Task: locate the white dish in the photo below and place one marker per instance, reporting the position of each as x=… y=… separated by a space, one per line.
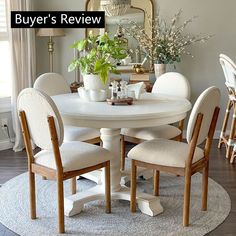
x=92 y=95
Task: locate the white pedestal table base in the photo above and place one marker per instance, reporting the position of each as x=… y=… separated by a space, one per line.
x=147 y=203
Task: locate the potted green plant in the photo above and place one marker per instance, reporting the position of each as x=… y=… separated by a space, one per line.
x=98 y=56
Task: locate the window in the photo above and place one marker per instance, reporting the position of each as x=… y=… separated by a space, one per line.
x=5 y=68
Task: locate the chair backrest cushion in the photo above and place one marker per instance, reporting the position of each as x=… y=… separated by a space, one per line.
x=229 y=69
x=205 y=104
x=173 y=84
x=52 y=84
x=37 y=107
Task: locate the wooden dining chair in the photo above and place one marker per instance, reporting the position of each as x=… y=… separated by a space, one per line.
x=42 y=123
x=184 y=159
x=170 y=84
x=54 y=84
x=229 y=69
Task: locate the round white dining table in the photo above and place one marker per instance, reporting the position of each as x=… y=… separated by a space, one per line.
x=150 y=110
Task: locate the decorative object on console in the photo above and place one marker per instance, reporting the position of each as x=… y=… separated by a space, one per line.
x=100 y=56
x=138 y=68
x=168 y=42
x=145 y=78
x=50 y=32
x=115 y=7
x=139 y=77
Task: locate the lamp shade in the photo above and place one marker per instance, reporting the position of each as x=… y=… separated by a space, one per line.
x=50 y=32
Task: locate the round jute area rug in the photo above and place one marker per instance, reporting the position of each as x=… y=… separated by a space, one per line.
x=14 y=210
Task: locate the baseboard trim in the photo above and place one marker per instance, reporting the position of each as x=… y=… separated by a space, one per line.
x=5 y=144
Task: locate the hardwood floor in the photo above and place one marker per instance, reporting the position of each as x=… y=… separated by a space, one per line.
x=13 y=164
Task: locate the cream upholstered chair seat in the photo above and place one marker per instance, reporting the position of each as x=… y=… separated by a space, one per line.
x=74 y=133
x=184 y=159
x=173 y=84
x=42 y=124
x=164 y=152
x=54 y=84
x=164 y=131
x=74 y=156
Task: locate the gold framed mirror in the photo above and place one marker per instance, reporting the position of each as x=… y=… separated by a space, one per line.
x=127 y=11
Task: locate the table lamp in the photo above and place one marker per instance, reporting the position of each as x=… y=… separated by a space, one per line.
x=50 y=32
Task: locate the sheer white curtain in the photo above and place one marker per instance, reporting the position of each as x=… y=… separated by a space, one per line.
x=22 y=44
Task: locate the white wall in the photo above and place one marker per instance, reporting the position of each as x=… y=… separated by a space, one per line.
x=215 y=17
x=63 y=53
x=202 y=71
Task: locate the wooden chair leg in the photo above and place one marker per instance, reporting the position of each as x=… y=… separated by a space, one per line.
x=108 y=188
x=205 y=187
x=32 y=195
x=133 y=187
x=225 y=122
x=233 y=155
x=187 y=189
x=232 y=134
x=60 y=199
x=73 y=185
x=156 y=183
x=122 y=146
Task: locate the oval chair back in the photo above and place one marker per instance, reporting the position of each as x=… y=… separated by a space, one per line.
x=205 y=104
x=52 y=84
x=173 y=84
x=38 y=107
x=229 y=69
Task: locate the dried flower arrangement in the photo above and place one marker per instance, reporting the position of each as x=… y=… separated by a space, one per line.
x=168 y=42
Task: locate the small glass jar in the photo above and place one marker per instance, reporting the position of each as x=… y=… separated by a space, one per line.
x=123 y=89
x=114 y=90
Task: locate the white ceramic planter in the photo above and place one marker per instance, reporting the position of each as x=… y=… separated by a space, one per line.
x=93 y=82
x=94 y=90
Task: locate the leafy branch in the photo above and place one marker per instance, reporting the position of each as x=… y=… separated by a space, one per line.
x=168 y=42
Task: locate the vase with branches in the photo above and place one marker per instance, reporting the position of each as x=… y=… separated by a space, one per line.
x=168 y=42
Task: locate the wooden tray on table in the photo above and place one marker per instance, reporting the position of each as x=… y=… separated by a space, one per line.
x=120 y=101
